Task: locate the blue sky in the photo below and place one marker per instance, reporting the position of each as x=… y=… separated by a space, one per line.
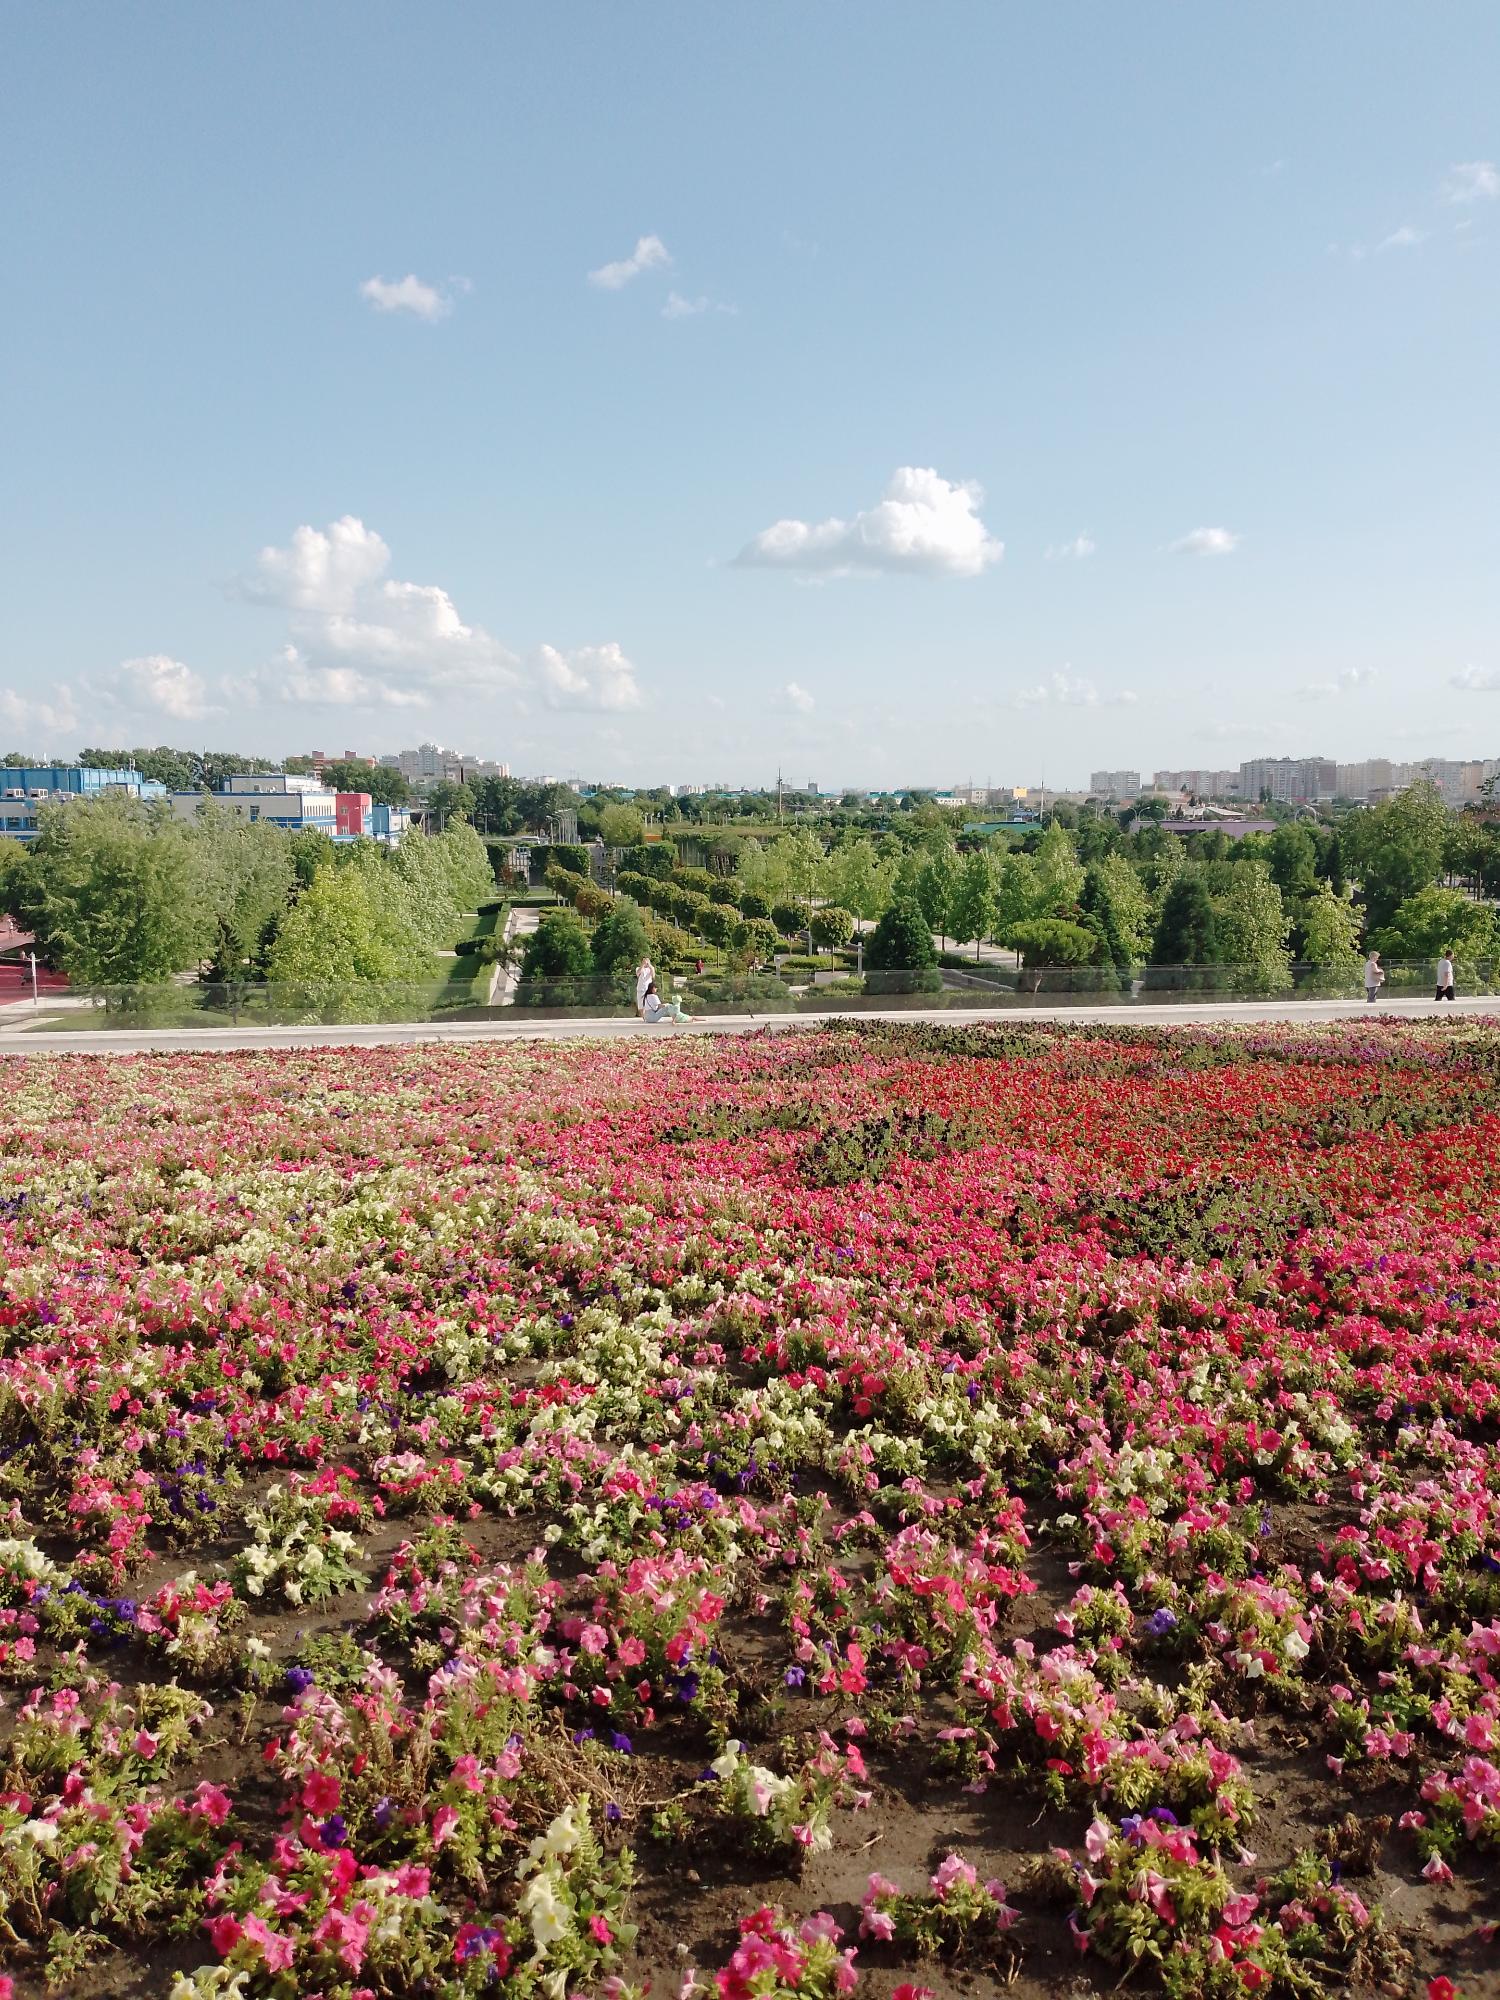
x=1204 y=302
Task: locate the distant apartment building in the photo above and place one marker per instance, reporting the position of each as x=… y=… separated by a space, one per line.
x=25 y=788
x=1115 y=784
x=1291 y=780
x=1200 y=784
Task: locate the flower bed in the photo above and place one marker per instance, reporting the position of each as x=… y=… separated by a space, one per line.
x=887 y=1511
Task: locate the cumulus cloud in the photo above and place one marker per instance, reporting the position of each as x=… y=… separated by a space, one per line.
x=1074 y=551
x=1206 y=542
x=1066 y=689
x=798 y=698
x=590 y=677
x=1346 y=682
x=649 y=254
x=409 y=295
x=300 y=682
x=924 y=526
x=59 y=712
x=1404 y=238
x=166 y=686
x=1476 y=680
x=383 y=640
x=1474 y=180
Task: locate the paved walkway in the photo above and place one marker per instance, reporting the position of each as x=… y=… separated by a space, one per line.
x=144 y=1041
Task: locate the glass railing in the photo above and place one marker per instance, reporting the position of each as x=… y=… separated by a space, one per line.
x=190 y=1005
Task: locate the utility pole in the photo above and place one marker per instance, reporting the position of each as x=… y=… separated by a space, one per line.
x=778 y=795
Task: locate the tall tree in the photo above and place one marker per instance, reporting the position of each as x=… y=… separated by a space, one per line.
x=974 y=909
x=1397 y=848
x=1186 y=932
x=1252 y=925
x=937 y=885
x=113 y=894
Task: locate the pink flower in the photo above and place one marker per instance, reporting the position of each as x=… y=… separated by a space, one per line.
x=277 y=1950
x=444 y=1820
x=320 y=1792
x=224 y=1933
x=593 y=1639
x=1437 y=1870
x=210 y=1802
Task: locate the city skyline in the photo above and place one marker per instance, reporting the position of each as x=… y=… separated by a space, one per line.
x=728 y=423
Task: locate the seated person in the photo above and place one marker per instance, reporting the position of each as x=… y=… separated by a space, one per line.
x=655 y=1009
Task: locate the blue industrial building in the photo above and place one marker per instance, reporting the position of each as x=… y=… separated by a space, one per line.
x=23 y=788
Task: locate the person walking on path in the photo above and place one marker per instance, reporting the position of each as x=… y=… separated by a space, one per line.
x=1374 y=975
x=1444 y=977
x=655 y=1010
x=645 y=973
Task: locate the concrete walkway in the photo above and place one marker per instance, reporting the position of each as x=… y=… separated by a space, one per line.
x=130 y=1041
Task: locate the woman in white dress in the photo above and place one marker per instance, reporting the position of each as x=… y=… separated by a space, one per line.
x=655 y=1010
x=645 y=973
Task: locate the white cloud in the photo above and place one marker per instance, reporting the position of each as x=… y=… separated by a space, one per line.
x=385 y=641
x=320 y=569
x=649 y=254
x=1475 y=180
x=925 y=526
x=1206 y=542
x=1404 y=238
x=1476 y=680
x=591 y=677
x=166 y=686
x=298 y=681
x=677 y=307
x=798 y=698
x=1066 y=689
x=410 y=295
x=20 y=711
x=1346 y=682
x=1080 y=546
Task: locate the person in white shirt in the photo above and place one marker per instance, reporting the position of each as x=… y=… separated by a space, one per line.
x=645 y=972
x=1444 y=978
x=655 y=1010
x=1374 y=975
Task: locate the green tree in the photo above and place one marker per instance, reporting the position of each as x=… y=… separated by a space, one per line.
x=1057 y=874
x=832 y=927
x=621 y=826
x=1097 y=909
x=974 y=911
x=1186 y=932
x=1328 y=931
x=1397 y=849
x=245 y=880
x=386 y=787
x=422 y=883
x=333 y=940
x=1292 y=853
x=111 y=891
x=450 y=801
x=1252 y=926
x=619 y=938
x=937 y=885
x=856 y=877
x=901 y=941
x=465 y=863
x=1435 y=920
x=557 y=949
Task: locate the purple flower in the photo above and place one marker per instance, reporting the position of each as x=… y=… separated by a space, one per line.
x=1161 y=1622
x=619 y=1742
x=794 y=1677
x=334 y=1831
x=298 y=1679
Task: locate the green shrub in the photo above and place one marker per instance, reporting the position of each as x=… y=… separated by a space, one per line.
x=901 y=942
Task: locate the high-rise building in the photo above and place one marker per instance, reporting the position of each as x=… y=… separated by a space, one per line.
x=1292 y=780
x=1116 y=784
